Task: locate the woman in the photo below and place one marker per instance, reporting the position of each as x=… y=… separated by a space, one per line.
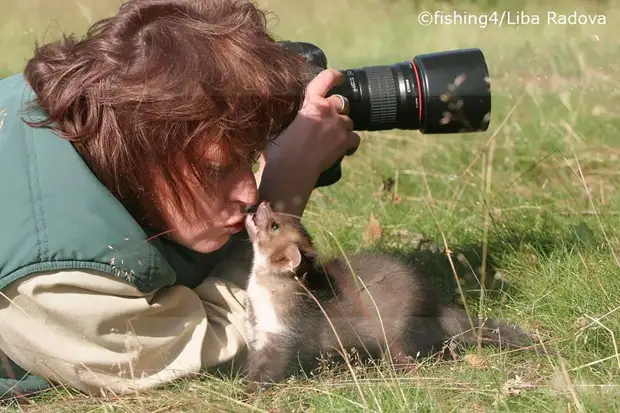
x=125 y=169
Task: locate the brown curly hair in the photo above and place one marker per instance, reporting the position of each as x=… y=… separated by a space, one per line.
x=147 y=92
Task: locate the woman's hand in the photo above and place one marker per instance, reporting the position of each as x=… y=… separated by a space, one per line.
x=320 y=135
x=322 y=131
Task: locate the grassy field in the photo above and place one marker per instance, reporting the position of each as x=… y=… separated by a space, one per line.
x=532 y=206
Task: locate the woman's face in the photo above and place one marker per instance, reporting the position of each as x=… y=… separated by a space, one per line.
x=221 y=213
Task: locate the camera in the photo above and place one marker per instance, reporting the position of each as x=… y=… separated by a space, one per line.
x=436 y=93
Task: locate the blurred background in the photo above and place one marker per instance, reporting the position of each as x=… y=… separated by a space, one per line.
x=352 y=32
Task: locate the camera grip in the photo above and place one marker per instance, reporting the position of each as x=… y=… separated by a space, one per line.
x=331 y=175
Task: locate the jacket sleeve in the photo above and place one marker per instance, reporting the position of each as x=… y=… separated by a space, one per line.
x=94 y=333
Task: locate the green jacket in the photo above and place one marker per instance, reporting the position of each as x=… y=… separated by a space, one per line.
x=56 y=215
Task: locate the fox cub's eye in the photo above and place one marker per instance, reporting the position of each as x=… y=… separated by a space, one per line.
x=275 y=226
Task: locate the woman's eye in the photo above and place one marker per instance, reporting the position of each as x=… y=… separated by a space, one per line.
x=275 y=226
x=218 y=171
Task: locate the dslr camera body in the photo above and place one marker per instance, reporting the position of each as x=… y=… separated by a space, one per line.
x=435 y=93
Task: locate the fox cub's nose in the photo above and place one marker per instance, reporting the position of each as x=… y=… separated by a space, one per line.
x=263 y=205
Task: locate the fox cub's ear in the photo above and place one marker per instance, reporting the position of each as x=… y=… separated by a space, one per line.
x=286 y=259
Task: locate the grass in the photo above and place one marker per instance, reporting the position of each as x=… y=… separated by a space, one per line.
x=535 y=198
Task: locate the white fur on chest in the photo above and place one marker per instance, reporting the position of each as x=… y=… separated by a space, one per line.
x=261 y=299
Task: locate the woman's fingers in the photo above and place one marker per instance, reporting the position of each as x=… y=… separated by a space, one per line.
x=353 y=143
x=322 y=108
x=353 y=140
x=347 y=122
x=323 y=82
x=340 y=103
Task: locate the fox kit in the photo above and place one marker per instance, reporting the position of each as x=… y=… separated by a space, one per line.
x=297 y=309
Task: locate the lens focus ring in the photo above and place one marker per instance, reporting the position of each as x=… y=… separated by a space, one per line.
x=383 y=96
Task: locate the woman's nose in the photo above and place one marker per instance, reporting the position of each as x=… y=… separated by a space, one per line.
x=244 y=188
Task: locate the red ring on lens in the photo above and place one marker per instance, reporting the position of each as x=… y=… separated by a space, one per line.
x=417 y=79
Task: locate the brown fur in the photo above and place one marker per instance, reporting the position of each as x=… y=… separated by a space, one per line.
x=374 y=302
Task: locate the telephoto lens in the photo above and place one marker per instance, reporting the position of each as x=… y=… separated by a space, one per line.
x=435 y=93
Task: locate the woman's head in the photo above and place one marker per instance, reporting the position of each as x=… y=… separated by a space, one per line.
x=169 y=102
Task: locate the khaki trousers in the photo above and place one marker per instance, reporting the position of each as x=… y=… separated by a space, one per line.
x=95 y=333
